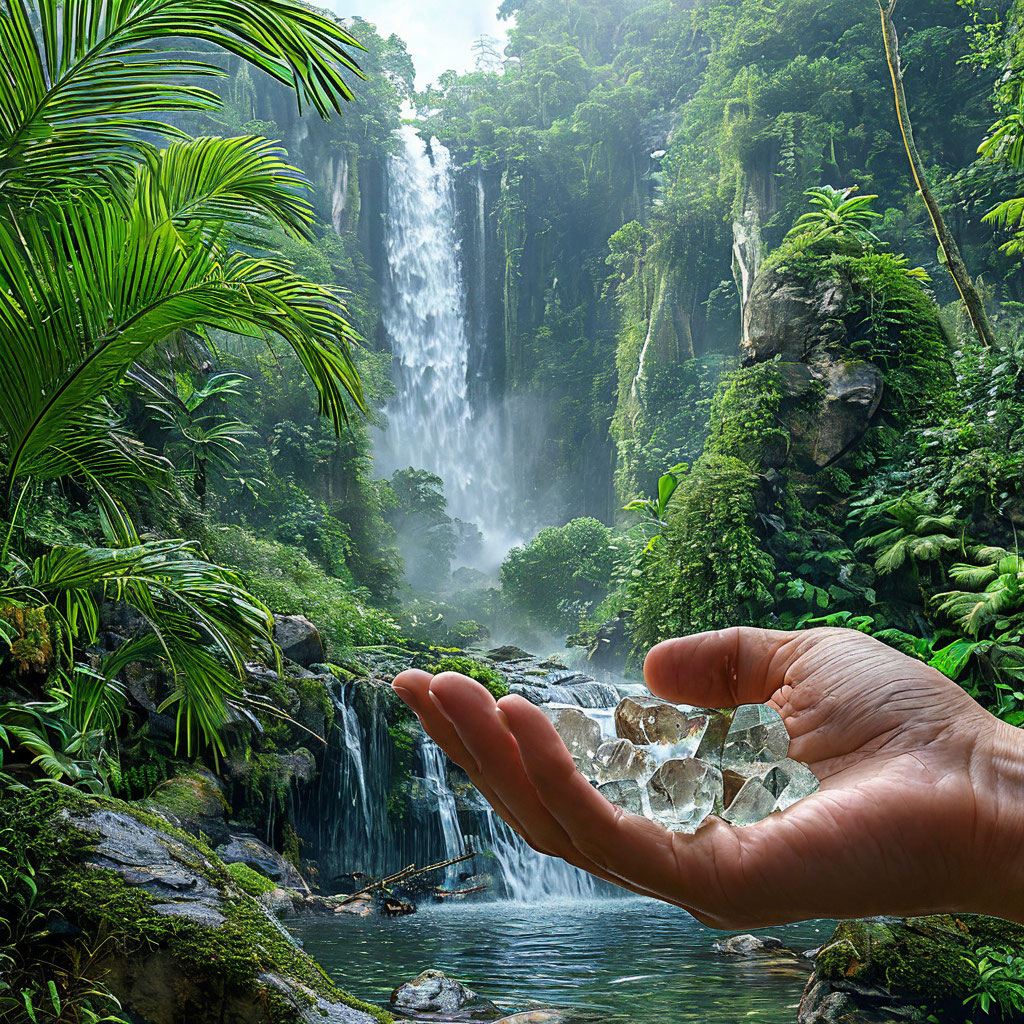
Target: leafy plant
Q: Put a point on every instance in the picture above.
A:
(992, 594)
(1000, 982)
(909, 530)
(837, 213)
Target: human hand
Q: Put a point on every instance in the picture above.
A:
(920, 810)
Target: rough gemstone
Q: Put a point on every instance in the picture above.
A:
(580, 734)
(753, 802)
(757, 733)
(791, 781)
(620, 759)
(752, 792)
(683, 792)
(625, 793)
(650, 720)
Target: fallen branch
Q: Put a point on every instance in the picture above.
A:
(404, 875)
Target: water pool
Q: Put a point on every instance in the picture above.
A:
(614, 960)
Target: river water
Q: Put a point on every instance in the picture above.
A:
(615, 960)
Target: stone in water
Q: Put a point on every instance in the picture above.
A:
(683, 792)
(757, 733)
(620, 759)
(624, 793)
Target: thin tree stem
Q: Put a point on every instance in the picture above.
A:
(954, 261)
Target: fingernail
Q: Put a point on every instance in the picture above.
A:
(439, 705)
(403, 693)
(503, 718)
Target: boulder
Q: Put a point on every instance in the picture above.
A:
(186, 943)
(433, 992)
(885, 969)
(788, 318)
(298, 639)
(248, 850)
(749, 945)
(193, 801)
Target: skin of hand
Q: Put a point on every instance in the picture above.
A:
(920, 810)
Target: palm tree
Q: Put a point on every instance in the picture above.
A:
(111, 246)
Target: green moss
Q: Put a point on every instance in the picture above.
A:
(189, 795)
(493, 680)
(250, 881)
(925, 960)
(236, 953)
(313, 693)
(744, 423)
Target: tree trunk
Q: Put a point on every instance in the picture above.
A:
(954, 261)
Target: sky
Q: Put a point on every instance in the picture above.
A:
(439, 33)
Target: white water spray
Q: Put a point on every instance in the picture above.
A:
(431, 424)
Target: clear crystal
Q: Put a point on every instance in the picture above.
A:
(625, 793)
(752, 803)
(580, 734)
(757, 734)
(791, 781)
(650, 720)
(753, 791)
(620, 759)
(683, 792)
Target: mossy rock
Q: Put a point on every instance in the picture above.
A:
(921, 961)
(194, 801)
(183, 940)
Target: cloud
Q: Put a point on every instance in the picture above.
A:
(439, 33)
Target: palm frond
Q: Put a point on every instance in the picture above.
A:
(245, 182)
(81, 80)
(91, 291)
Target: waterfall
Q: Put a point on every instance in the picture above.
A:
(433, 760)
(431, 422)
(353, 739)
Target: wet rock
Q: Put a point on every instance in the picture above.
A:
(788, 318)
(509, 652)
(433, 992)
(748, 945)
(298, 639)
(885, 969)
(254, 966)
(361, 906)
(248, 850)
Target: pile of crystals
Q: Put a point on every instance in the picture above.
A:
(676, 764)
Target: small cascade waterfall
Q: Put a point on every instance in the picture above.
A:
(431, 422)
(433, 759)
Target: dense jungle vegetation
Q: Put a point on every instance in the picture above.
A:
(192, 363)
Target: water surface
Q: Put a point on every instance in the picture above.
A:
(616, 960)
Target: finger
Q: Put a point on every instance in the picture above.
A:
(413, 686)
(723, 668)
(485, 733)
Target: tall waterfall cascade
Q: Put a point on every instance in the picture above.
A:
(432, 424)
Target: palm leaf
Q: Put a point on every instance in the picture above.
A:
(92, 290)
(80, 80)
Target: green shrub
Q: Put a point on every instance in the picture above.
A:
(289, 582)
(561, 574)
(709, 570)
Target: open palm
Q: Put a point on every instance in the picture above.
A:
(918, 798)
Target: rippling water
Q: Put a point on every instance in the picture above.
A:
(614, 960)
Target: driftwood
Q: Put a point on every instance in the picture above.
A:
(401, 877)
(460, 892)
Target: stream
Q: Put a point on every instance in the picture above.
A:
(615, 959)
